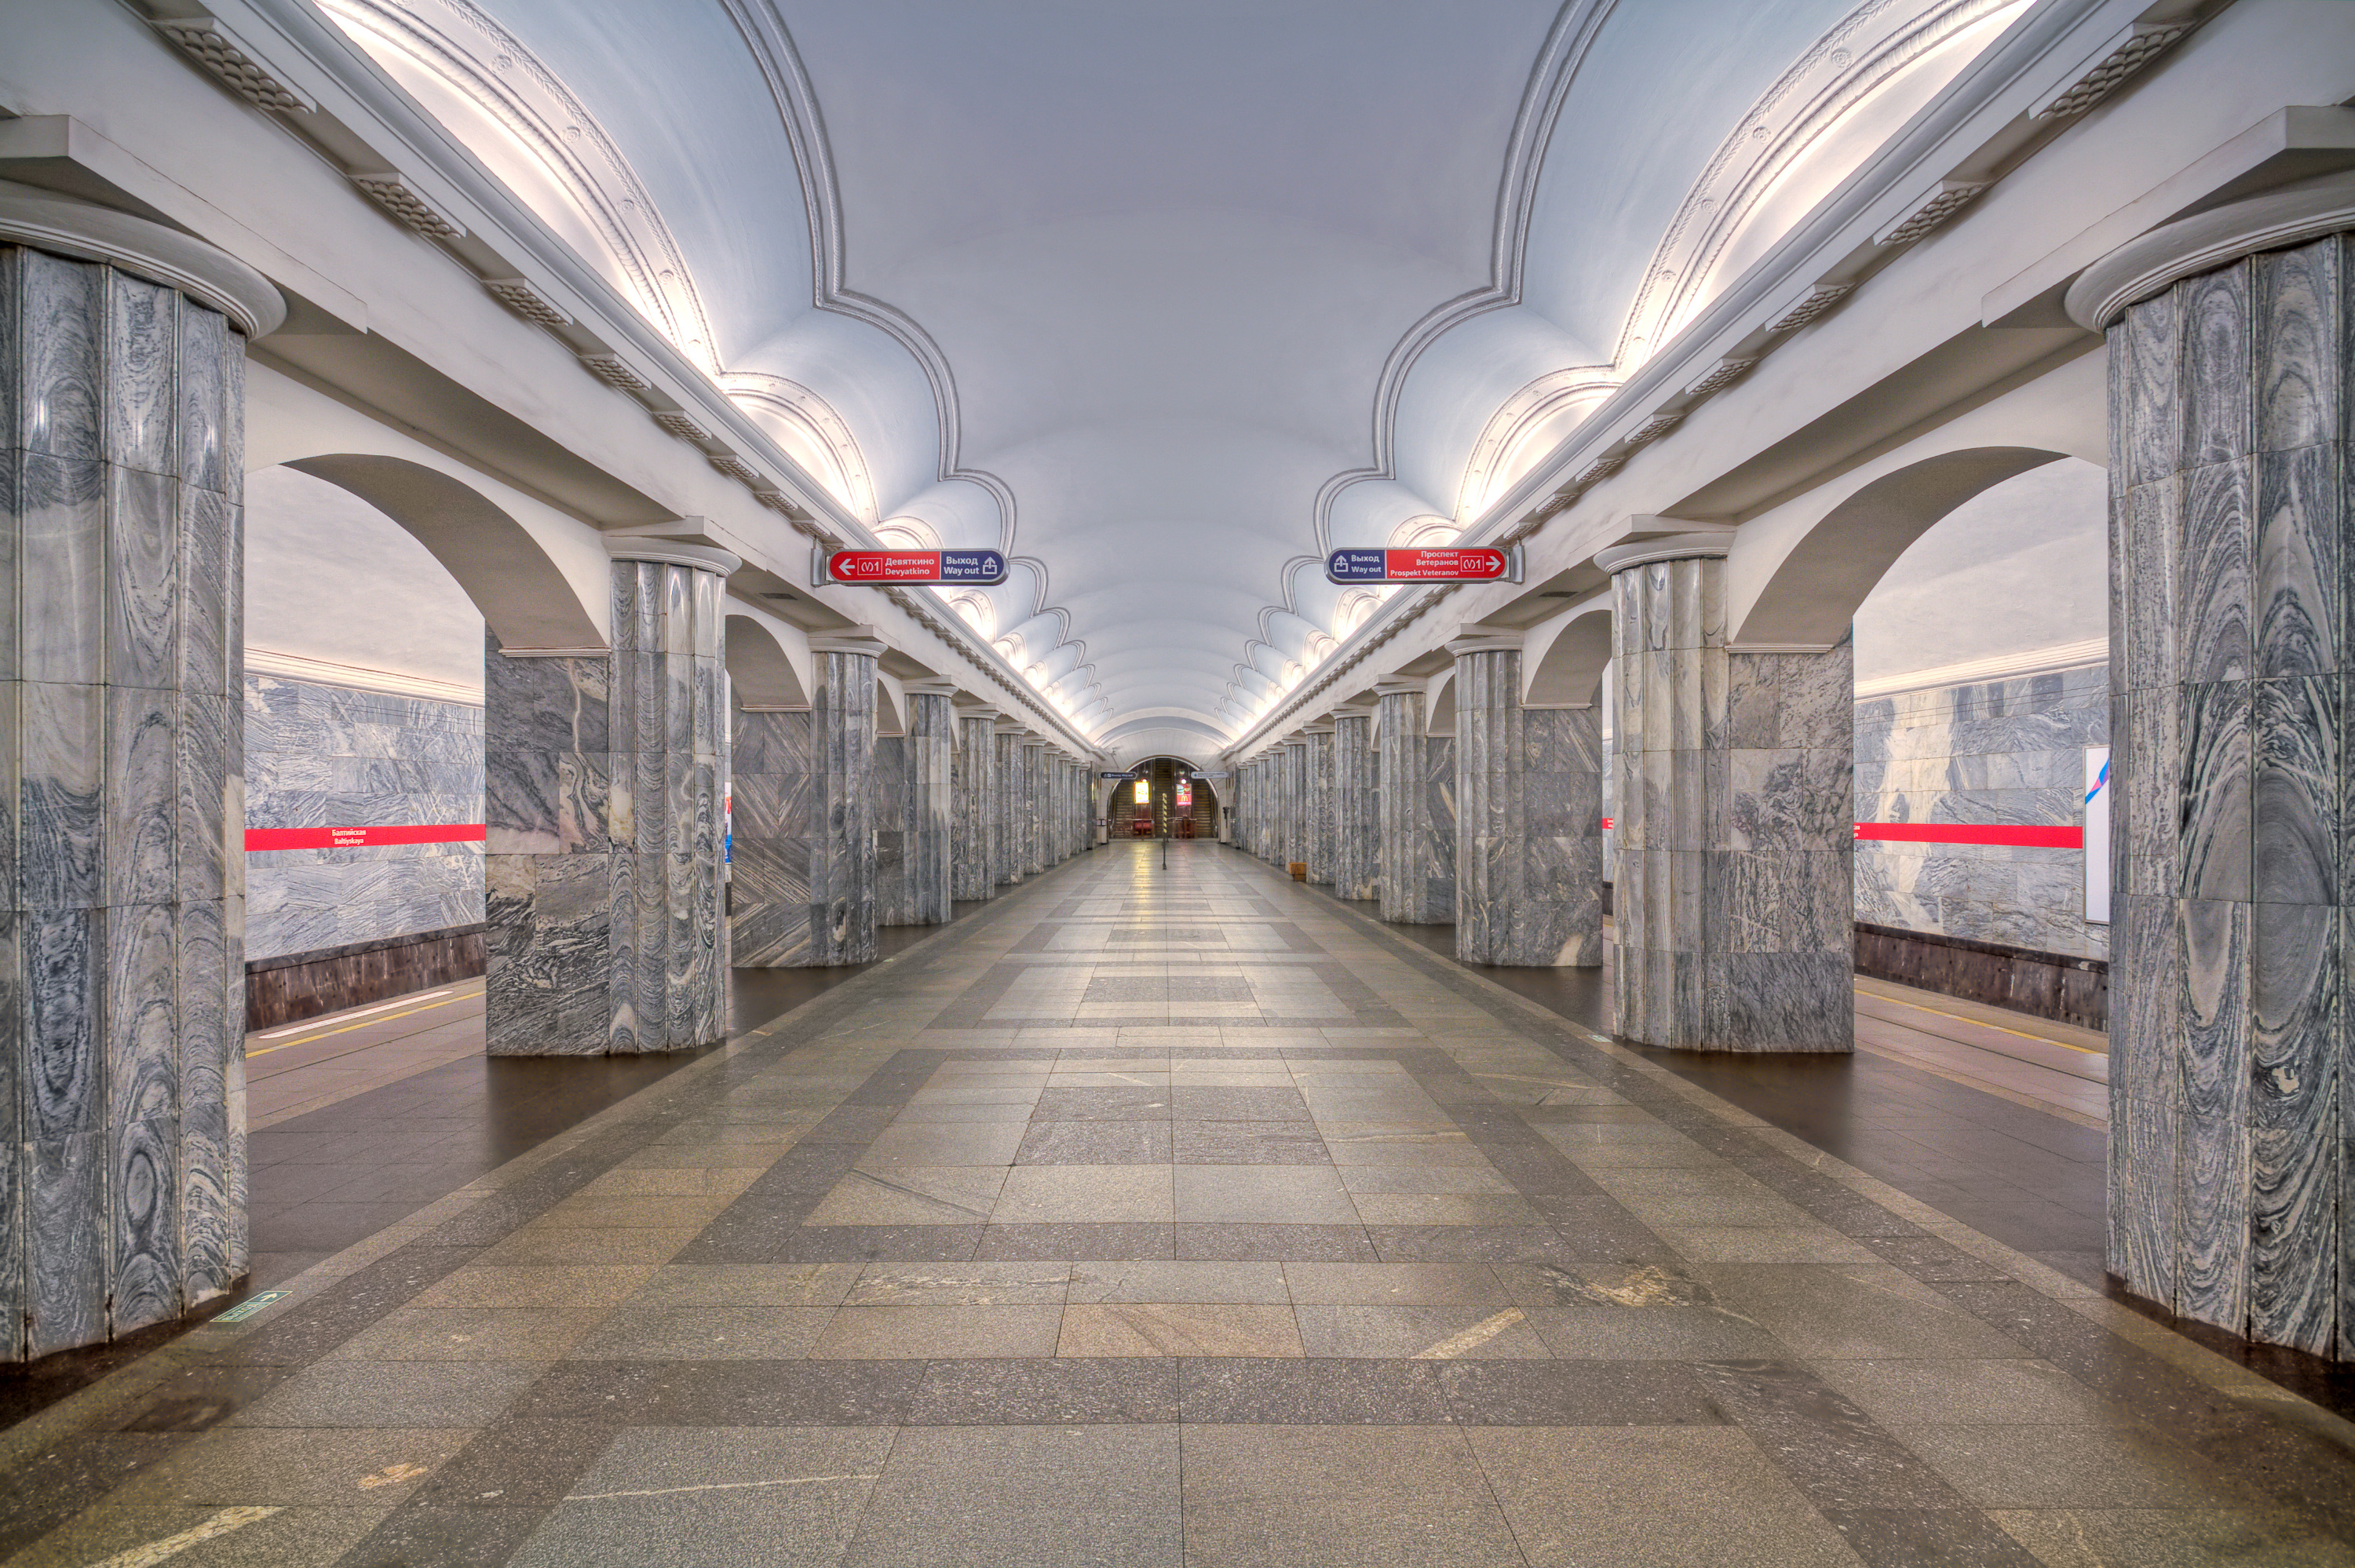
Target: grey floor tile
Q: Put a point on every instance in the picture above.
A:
(653, 1329)
(1077, 1241)
(895, 1333)
(1178, 1328)
(2048, 1467)
(1312, 1393)
(1420, 1332)
(1171, 1281)
(1085, 1194)
(726, 1393)
(1247, 1143)
(976, 1284)
(1050, 1392)
(2009, 1394)
(1598, 1332)
(1262, 1195)
(1335, 1496)
(1095, 1143)
(392, 1394)
(1395, 1284)
(765, 1499)
(1274, 1243)
(1576, 1394)
(1044, 1497)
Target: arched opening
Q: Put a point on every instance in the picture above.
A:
(761, 670)
(1164, 797)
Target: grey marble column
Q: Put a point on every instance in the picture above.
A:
(887, 789)
(2231, 1115)
(1529, 846)
(1417, 847)
(123, 984)
(775, 787)
(1034, 805)
(1356, 824)
(1733, 923)
(1295, 755)
(931, 763)
(1006, 843)
(602, 824)
(1317, 802)
(842, 858)
(975, 853)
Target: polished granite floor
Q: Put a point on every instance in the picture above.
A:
(1178, 1216)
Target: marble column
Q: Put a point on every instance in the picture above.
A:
(2231, 1115)
(931, 762)
(976, 854)
(1294, 762)
(842, 858)
(887, 786)
(1733, 926)
(1034, 805)
(1317, 802)
(1357, 823)
(602, 824)
(1528, 793)
(122, 647)
(1006, 843)
(1416, 785)
(775, 787)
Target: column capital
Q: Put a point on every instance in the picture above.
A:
(2167, 255)
(87, 232)
(934, 688)
(1486, 640)
(1676, 547)
(850, 640)
(668, 552)
(1317, 726)
(1011, 727)
(1402, 687)
(982, 711)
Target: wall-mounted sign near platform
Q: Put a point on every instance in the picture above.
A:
(877, 567)
(364, 837)
(1479, 565)
(1123, 778)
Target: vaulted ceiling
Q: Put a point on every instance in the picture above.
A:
(1167, 302)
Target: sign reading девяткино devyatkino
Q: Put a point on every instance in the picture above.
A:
(980, 567)
(1479, 564)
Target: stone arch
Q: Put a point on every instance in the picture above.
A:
(1565, 669)
(763, 669)
(1439, 705)
(525, 598)
(1813, 593)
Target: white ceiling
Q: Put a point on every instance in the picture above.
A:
(1170, 300)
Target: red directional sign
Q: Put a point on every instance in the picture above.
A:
(916, 566)
(1417, 565)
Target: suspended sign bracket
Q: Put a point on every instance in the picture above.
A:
(891, 568)
(1476, 564)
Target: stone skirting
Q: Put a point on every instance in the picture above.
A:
(2044, 985)
(295, 986)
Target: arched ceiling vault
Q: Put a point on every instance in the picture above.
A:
(1165, 302)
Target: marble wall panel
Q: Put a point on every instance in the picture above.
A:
(1317, 805)
(1357, 829)
(1032, 806)
(889, 789)
(1010, 784)
(2228, 1104)
(774, 802)
(123, 941)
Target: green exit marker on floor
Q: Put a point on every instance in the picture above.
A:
(249, 1306)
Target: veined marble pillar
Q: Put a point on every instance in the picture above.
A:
(2232, 1117)
(976, 854)
(1317, 802)
(842, 861)
(1006, 842)
(773, 788)
(1528, 845)
(1293, 761)
(602, 824)
(1356, 823)
(886, 785)
(1059, 799)
(1034, 805)
(1416, 776)
(1734, 925)
(122, 644)
(931, 763)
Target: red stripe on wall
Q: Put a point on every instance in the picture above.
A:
(2014, 834)
(363, 838)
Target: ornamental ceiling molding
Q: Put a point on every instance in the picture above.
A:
(1523, 413)
(488, 67)
(1573, 34)
(1841, 72)
(770, 46)
(813, 420)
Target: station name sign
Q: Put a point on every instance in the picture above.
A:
(976, 567)
(1421, 565)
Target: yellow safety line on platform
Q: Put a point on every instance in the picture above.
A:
(346, 1029)
(1999, 1029)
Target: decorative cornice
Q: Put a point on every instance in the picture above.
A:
(2142, 268)
(161, 255)
(2002, 667)
(331, 672)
